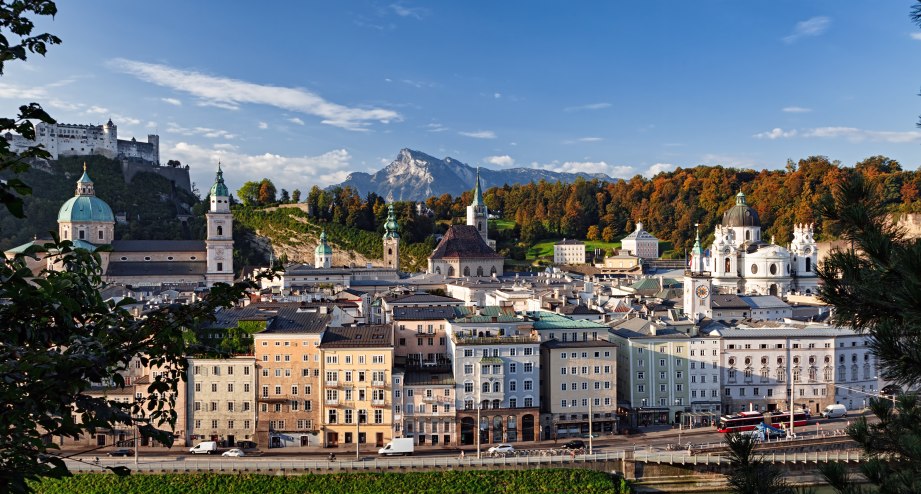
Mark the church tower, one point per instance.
(219, 241)
(323, 254)
(697, 285)
(391, 241)
(478, 215)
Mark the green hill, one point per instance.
(150, 202)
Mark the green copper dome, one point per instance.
(219, 189)
(85, 206)
(323, 249)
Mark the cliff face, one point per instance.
(416, 176)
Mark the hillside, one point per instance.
(416, 176)
(151, 203)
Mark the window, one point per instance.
(528, 367)
(528, 384)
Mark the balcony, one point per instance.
(380, 384)
(332, 384)
(332, 403)
(437, 399)
(495, 340)
(380, 404)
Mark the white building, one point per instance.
(82, 140)
(569, 252)
(825, 364)
(641, 243)
(221, 403)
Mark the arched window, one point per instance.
(486, 387)
(389, 252)
(466, 270)
(808, 264)
(748, 235)
(492, 271)
(437, 269)
(220, 230)
(450, 270)
(496, 387)
(728, 264)
(479, 270)
(781, 374)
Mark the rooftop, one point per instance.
(552, 320)
(422, 313)
(377, 336)
(158, 246)
(463, 241)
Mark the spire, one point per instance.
(697, 250)
(323, 236)
(85, 184)
(477, 195)
(391, 228)
(219, 189)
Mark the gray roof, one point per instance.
(569, 242)
(765, 302)
(158, 246)
(785, 332)
(376, 336)
(157, 268)
(422, 313)
(280, 317)
(424, 298)
(638, 327)
(728, 302)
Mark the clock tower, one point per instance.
(697, 288)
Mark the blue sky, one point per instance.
(306, 92)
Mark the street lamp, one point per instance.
(677, 403)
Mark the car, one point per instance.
(891, 390)
(121, 452)
(502, 448)
(246, 444)
(574, 444)
(233, 452)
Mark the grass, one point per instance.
(501, 225)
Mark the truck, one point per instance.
(204, 448)
(398, 446)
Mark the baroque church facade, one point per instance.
(88, 222)
(740, 262)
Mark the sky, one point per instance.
(305, 93)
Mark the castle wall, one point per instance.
(178, 175)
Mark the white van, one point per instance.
(204, 448)
(398, 446)
(834, 411)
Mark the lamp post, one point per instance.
(590, 426)
(677, 403)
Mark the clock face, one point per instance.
(702, 291)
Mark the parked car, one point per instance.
(233, 452)
(502, 448)
(204, 448)
(834, 411)
(246, 444)
(121, 452)
(574, 444)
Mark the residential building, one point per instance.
(427, 402)
(221, 404)
(419, 334)
(356, 366)
(578, 378)
(569, 252)
(641, 243)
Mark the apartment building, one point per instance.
(419, 334)
(427, 408)
(356, 366)
(288, 365)
(496, 358)
(578, 386)
(221, 403)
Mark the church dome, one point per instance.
(323, 249)
(85, 208)
(741, 214)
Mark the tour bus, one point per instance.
(746, 421)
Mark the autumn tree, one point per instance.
(593, 233)
(266, 193)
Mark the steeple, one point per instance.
(697, 248)
(477, 194)
(391, 228)
(740, 198)
(219, 189)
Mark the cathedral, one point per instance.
(466, 250)
(739, 262)
(88, 222)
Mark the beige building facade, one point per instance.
(221, 402)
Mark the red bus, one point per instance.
(747, 421)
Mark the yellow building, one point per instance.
(356, 364)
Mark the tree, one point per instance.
(249, 193)
(296, 195)
(285, 198)
(593, 233)
(748, 473)
(873, 286)
(266, 192)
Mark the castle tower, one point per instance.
(477, 214)
(110, 137)
(86, 217)
(697, 285)
(219, 241)
(391, 241)
(323, 255)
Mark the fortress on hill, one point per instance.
(84, 140)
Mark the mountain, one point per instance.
(416, 176)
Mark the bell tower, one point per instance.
(219, 242)
(697, 285)
(391, 241)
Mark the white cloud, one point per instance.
(657, 169)
(590, 139)
(504, 160)
(857, 135)
(810, 27)
(916, 36)
(97, 110)
(404, 11)
(796, 109)
(11, 91)
(231, 93)
(590, 106)
(296, 121)
(173, 128)
(727, 160)
(497, 95)
(172, 101)
(614, 171)
(479, 134)
(288, 172)
(262, 125)
(151, 125)
(775, 133)
(435, 127)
